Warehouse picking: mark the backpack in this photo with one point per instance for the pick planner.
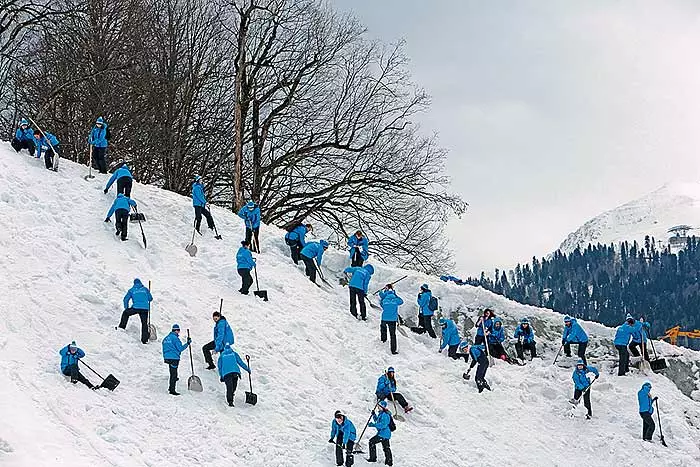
(392, 425)
(433, 303)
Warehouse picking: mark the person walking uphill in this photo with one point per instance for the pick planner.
(295, 238)
(140, 298)
(120, 208)
(70, 355)
(426, 308)
(223, 336)
(24, 138)
(358, 285)
(199, 202)
(172, 348)
(46, 143)
(582, 383)
(99, 139)
(390, 303)
(622, 339)
(382, 422)
(250, 213)
(230, 365)
(574, 334)
(244, 263)
(123, 178)
(313, 250)
(386, 389)
(646, 409)
(343, 435)
(359, 249)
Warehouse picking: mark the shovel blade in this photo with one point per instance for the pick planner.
(399, 417)
(261, 293)
(194, 384)
(152, 334)
(251, 398)
(110, 383)
(191, 249)
(658, 365)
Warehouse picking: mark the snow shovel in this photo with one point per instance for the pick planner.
(357, 449)
(557, 357)
(143, 235)
(658, 418)
(193, 382)
(250, 397)
(89, 175)
(392, 283)
(110, 382)
(658, 364)
(152, 334)
(486, 342)
(259, 293)
(216, 234)
(192, 248)
(397, 416)
(320, 273)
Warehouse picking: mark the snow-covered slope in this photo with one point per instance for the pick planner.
(653, 214)
(63, 274)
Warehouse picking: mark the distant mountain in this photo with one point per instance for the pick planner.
(653, 215)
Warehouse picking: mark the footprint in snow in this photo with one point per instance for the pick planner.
(5, 446)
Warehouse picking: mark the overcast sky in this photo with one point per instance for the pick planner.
(552, 111)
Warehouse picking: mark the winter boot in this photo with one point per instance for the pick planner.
(407, 409)
(211, 366)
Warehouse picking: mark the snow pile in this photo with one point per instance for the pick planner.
(64, 273)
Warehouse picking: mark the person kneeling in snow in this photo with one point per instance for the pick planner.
(646, 409)
(386, 389)
(70, 355)
(582, 384)
(382, 422)
(245, 263)
(495, 340)
(223, 336)
(478, 353)
(120, 208)
(525, 336)
(24, 138)
(344, 433)
(230, 365)
(172, 348)
(451, 339)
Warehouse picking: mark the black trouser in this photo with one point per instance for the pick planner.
(24, 144)
(452, 352)
(49, 155)
(255, 247)
(398, 397)
(143, 314)
(648, 425)
(310, 267)
(357, 260)
(99, 162)
(373, 441)
(172, 367)
(122, 221)
(479, 340)
(231, 381)
(206, 350)
(624, 365)
(581, 352)
(124, 186)
(497, 351)
(198, 211)
(634, 350)
(586, 398)
(295, 249)
(356, 293)
(349, 458)
(427, 323)
(392, 333)
(75, 375)
(520, 347)
(247, 280)
(483, 362)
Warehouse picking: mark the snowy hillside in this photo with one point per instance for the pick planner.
(63, 274)
(653, 214)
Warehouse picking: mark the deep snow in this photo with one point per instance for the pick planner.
(64, 274)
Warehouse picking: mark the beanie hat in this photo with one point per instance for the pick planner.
(100, 121)
(383, 404)
(390, 369)
(24, 122)
(424, 287)
(245, 243)
(72, 346)
(250, 205)
(338, 413)
(629, 317)
(580, 362)
(567, 319)
(197, 178)
(176, 327)
(524, 321)
(463, 344)
(646, 384)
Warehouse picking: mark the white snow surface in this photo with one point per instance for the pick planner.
(64, 273)
(653, 214)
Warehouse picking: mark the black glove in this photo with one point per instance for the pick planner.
(189, 340)
(108, 219)
(331, 441)
(654, 399)
(373, 412)
(596, 377)
(106, 190)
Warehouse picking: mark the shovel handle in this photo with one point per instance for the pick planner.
(250, 380)
(221, 305)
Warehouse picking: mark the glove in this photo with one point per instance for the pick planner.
(654, 399)
(105, 190)
(189, 339)
(373, 412)
(563, 341)
(440, 351)
(331, 441)
(108, 219)
(596, 377)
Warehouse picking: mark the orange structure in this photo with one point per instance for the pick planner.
(675, 332)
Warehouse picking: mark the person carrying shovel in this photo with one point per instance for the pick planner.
(582, 385)
(343, 435)
(230, 364)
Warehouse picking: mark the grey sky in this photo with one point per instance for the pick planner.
(553, 111)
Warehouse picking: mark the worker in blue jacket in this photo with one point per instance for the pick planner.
(358, 285)
(574, 334)
(230, 365)
(386, 389)
(312, 255)
(120, 208)
(199, 202)
(381, 422)
(343, 435)
(582, 383)
(70, 355)
(525, 336)
(450, 338)
(99, 140)
(172, 348)
(223, 336)
(425, 314)
(123, 178)
(390, 303)
(24, 138)
(639, 338)
(480, 358)
(137, 301)
(495, 341)
(295, 238)
(646, 409)
(245, 263)
(250, 213)
(359, 249)
(622, 340)
(483, 326)
(46, 143)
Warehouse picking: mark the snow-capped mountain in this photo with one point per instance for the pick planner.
(653, 214)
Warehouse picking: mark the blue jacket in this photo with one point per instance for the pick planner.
(476, 351)
(497, 335)
(528, 336)
(574, 334)
(581, 381)
(639, 335)
(43, 145)
(251, 217)
(244, 259)
(313, 250)
(423, 301)
(347, 428)
(360, 276)
(122, 171)
(390, 303)
(623, 334)
(363, 244)
(488, 324)
(121, 202)
(645, 400)
(198, 197)
(24, 135)
(68, 359)
(230, 362)
(139, 295)
(98, 136)
(450, 334)
(299, 234)
(385, 386)
(223, 335)
(381, 422)
(172, 347)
